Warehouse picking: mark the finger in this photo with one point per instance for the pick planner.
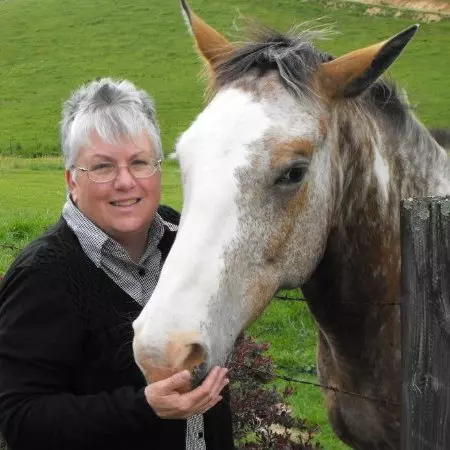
(212, 377)
(212, 397)
(207, 393)
(210, 405)
(175, 382)
(218, 389)
(215, 384)
(225, 382)
(220, 382)
(199, 394)
(206, 400)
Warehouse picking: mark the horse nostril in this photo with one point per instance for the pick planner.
(185, 352)
(195, 356)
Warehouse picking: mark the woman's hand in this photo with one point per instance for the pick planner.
(168, 403)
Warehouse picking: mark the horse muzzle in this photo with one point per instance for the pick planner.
(182, 351)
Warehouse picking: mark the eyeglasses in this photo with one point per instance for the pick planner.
(105, 172)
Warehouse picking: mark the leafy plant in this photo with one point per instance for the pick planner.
(261, 417)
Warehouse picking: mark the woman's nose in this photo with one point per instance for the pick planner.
(124, 179)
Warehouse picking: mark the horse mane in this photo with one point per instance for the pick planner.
(294, 57)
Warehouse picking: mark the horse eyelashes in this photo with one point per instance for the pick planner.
(292, 176)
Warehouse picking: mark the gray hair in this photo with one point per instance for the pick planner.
(113, 109)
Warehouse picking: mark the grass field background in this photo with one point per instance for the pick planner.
(50, 47)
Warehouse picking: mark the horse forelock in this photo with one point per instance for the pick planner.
(292, 55)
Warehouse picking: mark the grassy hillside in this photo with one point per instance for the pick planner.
(49, 47)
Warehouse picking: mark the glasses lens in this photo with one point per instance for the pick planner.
(143, 168)
(102, 173)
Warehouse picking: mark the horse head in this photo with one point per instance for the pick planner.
(261, 187)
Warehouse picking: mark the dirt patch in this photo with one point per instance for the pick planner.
(374, 11)
(436, 7)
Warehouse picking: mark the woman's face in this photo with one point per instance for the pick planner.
(124, 207)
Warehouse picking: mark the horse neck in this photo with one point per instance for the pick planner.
(421, 165)
(354, 290)
(382, 157)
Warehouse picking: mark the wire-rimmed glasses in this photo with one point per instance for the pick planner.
(104, 172)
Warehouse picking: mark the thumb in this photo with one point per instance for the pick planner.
(178, 381)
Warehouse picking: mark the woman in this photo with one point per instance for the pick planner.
(67, 375)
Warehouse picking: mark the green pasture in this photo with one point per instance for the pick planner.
(47, 48)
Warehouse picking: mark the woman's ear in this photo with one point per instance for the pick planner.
(71, 184)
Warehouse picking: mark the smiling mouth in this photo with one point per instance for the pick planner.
(126, 202)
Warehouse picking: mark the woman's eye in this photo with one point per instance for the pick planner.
(139, 162)
(292, 176)
(102, 166)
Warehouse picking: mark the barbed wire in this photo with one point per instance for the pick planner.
(288, 298)
(268, 375)
(11, 247)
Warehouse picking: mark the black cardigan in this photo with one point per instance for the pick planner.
(67, 375)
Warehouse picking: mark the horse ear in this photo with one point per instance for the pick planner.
(211, 45)
(351, 74)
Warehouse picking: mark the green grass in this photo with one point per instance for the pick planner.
(32, 195)
(294, 349)
(290, 329)
(50, 47)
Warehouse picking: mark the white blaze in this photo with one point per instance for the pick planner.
(209, 152)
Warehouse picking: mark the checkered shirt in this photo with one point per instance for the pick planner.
(138, 280)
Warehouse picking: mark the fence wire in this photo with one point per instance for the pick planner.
(284, 296)
(288, 298)
(268, 375)
(10, 247)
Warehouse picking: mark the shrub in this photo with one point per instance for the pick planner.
(261, 417)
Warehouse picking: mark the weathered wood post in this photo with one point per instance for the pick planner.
(425, 228)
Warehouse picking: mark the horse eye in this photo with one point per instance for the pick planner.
(292, 176)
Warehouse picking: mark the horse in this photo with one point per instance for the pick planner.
(293, 176)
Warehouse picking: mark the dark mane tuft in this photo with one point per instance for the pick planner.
(293, 56)
(383, 97)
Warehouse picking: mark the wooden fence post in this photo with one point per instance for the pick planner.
(425, 238)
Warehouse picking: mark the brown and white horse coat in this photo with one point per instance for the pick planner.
(293, 176)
